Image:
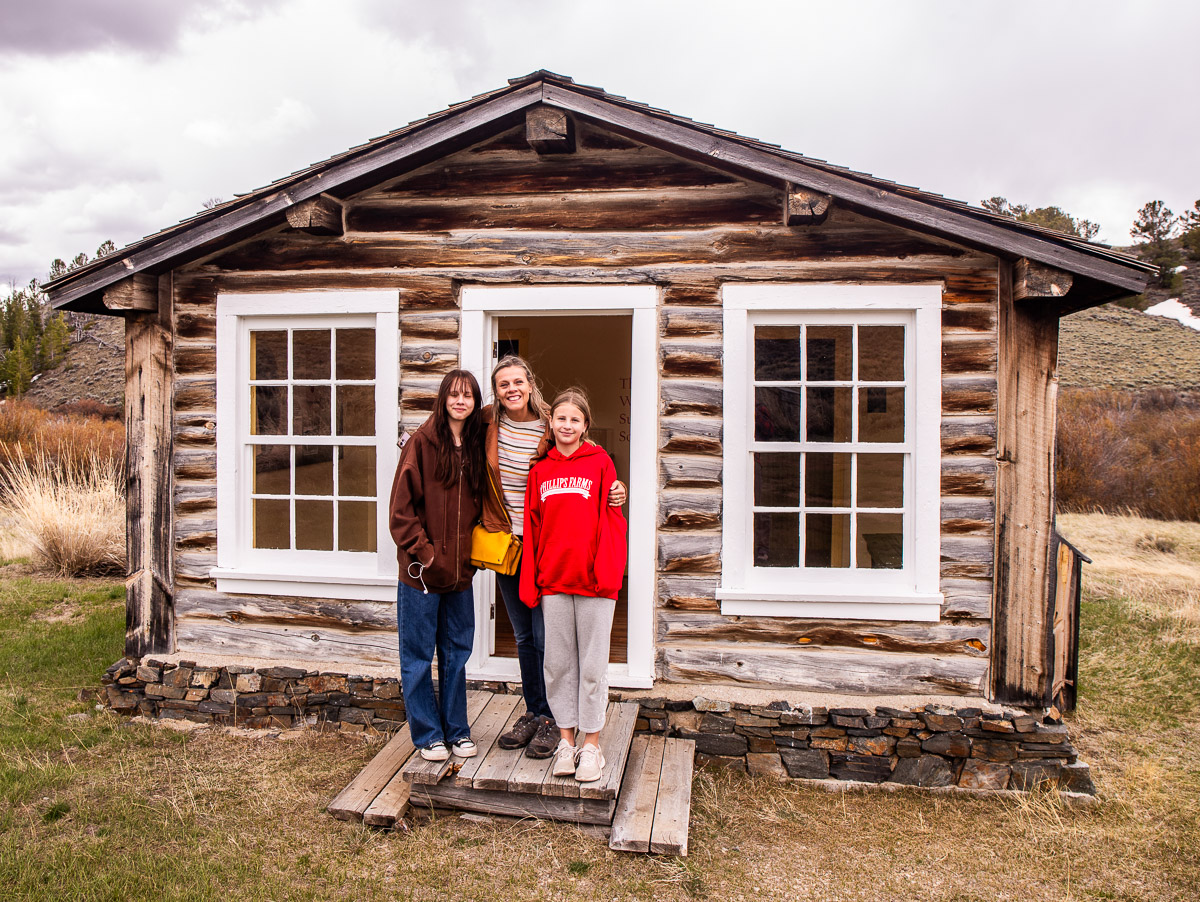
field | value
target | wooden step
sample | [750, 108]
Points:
[418, 770]
[353, 801]
[653, 809]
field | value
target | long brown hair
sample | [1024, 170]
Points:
[537, 404]
[446, 471]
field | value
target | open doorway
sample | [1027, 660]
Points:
[592, 352]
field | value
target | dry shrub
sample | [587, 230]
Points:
[1120, 451]
[28, 433]
[72, 515]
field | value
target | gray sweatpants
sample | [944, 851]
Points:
[576, 668]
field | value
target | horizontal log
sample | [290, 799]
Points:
[196, 533]
[824, 670]
[677, 592]
[200, 360]
[205, 435]
[196, 323]
[969, 476]
[689, 510]
[968, 355]
[689, 472]
[978, 286]
[965, 570]
[195, 463]
[966, 598]
[298, 613]
[195, 565]
[972, 638]
[975, 516]
[436, 326]
[968, 549]
[969, 317]
[311, 645]
[691, 396]
[968, 435]
[690, 435]
[295, 281]
[194, 497]
[432, 292]
[418, 392]
[426, 358]
[689, 553]
[969, 394]
[664, 210]
[690, 359]
[696, 291]
[195, 394]
[684, 322]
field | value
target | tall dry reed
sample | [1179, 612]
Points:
[28, 432]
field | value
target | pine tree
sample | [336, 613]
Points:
[1157, 224]
[1190, 223]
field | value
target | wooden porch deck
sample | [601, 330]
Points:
[643, 795]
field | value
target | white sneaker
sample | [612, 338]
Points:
[564, 759]
[590, 764]
[435, 751]
[464, 748]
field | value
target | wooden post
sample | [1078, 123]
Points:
[149, 541]
[549, 130]
[1024, 600]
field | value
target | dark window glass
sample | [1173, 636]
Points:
[776, 540]
[776, 414]
[777, 353]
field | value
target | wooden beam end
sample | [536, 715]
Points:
[321, 215]
[549, 130]
[137, 292]
[804, 207]
[1037, 280]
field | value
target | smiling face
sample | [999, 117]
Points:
[569, 425]
[460, 401]
[511, 386]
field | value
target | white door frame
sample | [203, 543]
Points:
[480, 306]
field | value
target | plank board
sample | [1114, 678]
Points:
[672, 810]
[418, 770]
[529, 774]
[354, 800]
[389, 805]
[513, 804]
[568, 787]
[614, 740]
[634, 815]
[492, 772]
[501, 712]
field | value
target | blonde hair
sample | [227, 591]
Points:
[537, 404]
[578, 398]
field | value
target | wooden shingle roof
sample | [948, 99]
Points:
[1113, 273]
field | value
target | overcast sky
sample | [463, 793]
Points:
[120, 117]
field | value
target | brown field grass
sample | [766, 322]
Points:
[28, 432]
[98, 808]
[1113, 347]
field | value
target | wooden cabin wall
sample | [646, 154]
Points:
[613, 212]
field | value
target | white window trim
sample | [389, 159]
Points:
[365, 576]
[909, 594]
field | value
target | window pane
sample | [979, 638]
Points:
[776, 540]
[777, 353]
[356, 470]
[314, 469]
[356, 409]
[272, 470]
[268, 409]
[881, 353]
[881, 480]
[881, 541]
[270, 526]
[356, 353]
[356, 525]
[827, 540]
[830, 353]
[310, 354]
[776, 414]
[880, 414]
[268, 355]
[826, 480]
[314, 525]
[777, 480]
[828, 415]
[310, 410]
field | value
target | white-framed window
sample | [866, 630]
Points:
[832, 413]
[306, 443]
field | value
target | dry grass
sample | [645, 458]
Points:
[1112, 347]
[28, 433]
[71, 515]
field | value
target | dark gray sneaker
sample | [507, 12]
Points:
[520, 734]
[545, 740]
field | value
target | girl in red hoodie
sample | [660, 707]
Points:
[574, 562]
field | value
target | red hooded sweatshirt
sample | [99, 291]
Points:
[574, 539]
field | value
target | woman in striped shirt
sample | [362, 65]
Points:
[518, 433]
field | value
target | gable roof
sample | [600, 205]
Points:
[426, 139]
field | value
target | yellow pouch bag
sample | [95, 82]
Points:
[499, 551]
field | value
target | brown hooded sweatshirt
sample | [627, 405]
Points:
[431, 523]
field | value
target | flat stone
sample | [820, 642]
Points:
[884, 711]
[827, 733]
[287, 673]
[760, 732]
[809, 764]
[996, 726]
[877, 723]
[1050, 733]
[970, 712]
[204, 679]
[1024, 723]
[832, 745]
[685, 720]
[757, 744]
[196, 695]
[171, 692]
[928, 770]
[768, 711]
[678, 704]
[211, 707]
[846, 720]
[866, 768]
[872, 745]
[327, 682]
[121, 701]
[907, 723]
[178, 678]
[994, 750]
[745, 719]
[148, 674]
[864, 731]
[719, 744]
[236, 669]
[942, 723]
[1032, 774]
[1077, 777]
[805, 717]
[715, 723]
[248, 682]
[849, 712]
[978, 774]
[765, 765]
[355, 715]
[713, 705]
[652, 704]
[1047, 749]
[908, 747]
[223, 696]
[955, 745]
[720, 761]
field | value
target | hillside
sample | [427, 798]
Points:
[94, 367]
[1113, 347]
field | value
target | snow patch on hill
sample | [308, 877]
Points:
[1176, 310]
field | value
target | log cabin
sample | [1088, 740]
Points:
[832, 397]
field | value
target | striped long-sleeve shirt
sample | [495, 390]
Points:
[517, 445]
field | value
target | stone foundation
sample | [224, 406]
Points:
[931, 746]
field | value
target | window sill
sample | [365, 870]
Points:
[832, 605]
[339, 586]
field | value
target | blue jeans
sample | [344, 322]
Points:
[529, 628]
[445, 622]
